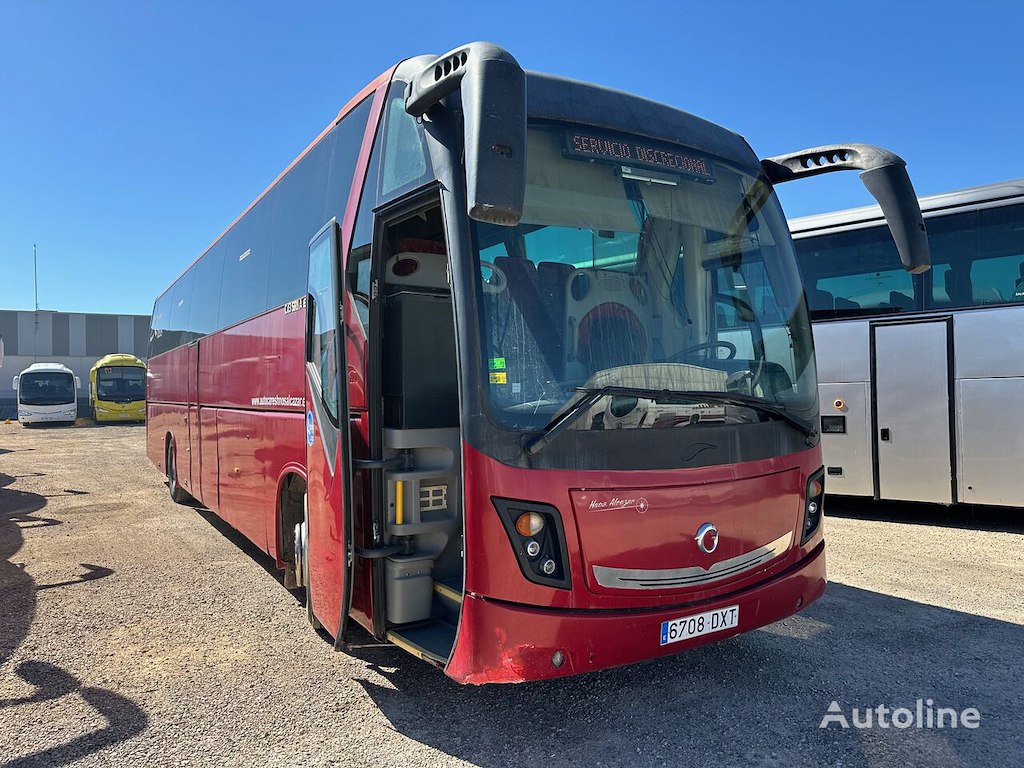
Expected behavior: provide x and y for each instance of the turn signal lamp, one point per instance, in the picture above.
(813, 501)
(529, 524)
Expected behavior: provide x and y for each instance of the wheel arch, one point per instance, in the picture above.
(291, 486)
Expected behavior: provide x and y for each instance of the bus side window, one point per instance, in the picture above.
(359, 285)
(325, 324)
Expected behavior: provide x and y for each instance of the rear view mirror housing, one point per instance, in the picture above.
(884, 175)
(493, 91)
(14, 383)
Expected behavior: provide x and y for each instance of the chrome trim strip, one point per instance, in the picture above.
(629, 578)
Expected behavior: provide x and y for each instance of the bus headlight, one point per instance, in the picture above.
(535, 532)
(814, 500)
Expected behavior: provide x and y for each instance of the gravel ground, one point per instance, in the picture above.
(136, 631)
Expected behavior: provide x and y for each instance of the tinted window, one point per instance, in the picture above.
(977, 258)
(323, 345)
(405, 167)
(299, 213)
(315, 189)
(405, 163)
(46, 388)
(260, 263)
(247, 245)
(855, 272)
(158, 325)
(405, 155)
(206, 291)
(121, 384)
(181, 307)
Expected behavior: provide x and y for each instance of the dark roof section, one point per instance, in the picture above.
(559, 98)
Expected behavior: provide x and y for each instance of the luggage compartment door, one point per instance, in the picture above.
(913, 423)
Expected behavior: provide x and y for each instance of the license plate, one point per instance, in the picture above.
(699, 624)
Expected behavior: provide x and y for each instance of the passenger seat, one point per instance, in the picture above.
(818, 299)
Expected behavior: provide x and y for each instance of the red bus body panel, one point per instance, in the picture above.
(247, 428)
(510, 627)
(507, 643)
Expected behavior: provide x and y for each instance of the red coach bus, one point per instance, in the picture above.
(514, 371)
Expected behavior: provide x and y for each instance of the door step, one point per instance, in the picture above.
(431, 642)
(449, 592)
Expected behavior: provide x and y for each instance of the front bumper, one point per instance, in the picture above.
(500, 642)
(43, 418)
(103, 414)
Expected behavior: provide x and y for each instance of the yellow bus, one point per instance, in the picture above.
(117, 388)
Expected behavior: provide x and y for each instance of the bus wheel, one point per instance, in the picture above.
(302, 572)
(178, 494)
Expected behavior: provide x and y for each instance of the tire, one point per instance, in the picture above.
(302, 571)
(178, 494)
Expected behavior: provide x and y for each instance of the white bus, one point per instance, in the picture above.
(921, 377)
(47, 393)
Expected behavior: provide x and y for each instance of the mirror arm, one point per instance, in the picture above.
(885, 176)
(493, 90)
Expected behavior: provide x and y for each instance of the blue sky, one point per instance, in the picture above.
(132, 133)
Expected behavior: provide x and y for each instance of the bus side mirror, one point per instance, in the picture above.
(14, 384)
(884, 175)
(78, 383)
(493, 87)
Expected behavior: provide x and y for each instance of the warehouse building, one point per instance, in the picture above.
(75, 339)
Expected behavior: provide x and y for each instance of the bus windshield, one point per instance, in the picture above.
(46, 388)
(121, 384)
(673, 276)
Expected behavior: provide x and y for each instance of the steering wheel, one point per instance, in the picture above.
(728, 346)
(496, 282)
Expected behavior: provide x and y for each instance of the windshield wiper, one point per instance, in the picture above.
(757, 404)
(561, 423)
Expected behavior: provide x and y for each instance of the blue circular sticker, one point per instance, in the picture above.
(309, 427)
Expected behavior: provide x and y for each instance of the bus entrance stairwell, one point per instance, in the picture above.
(415, 434)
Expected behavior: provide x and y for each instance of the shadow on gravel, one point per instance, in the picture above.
(124, 717)
(757, 699)
(967, 516)
(92, 572)
(17, 588)
(18, 605)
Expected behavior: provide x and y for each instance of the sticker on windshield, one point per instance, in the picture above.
(498, 364)
(499, 378)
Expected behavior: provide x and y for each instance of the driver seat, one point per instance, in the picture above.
(610, 335)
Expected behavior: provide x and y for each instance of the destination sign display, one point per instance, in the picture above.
(590, 145)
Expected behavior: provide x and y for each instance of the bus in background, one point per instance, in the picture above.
(921, 376)
(459, 371)
(117, 388)
(47, 394)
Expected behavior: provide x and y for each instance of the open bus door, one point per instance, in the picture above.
(323, 540)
